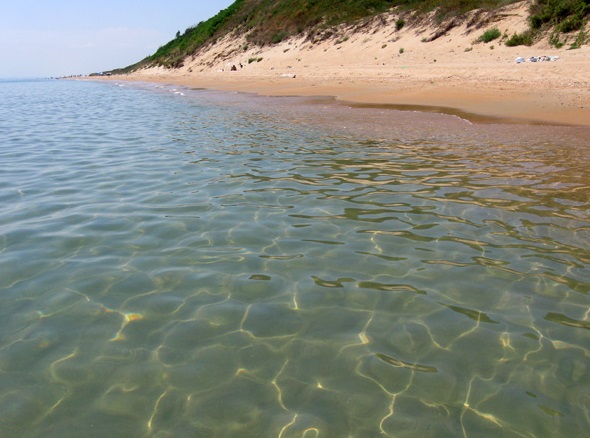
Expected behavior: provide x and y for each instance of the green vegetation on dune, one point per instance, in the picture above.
(490, 35)
(271, 21)
(559, 17)
(173, 53)
(564, 15)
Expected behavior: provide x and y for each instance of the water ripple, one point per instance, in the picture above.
(224, 265)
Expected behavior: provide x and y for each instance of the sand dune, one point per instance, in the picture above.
(381, 65)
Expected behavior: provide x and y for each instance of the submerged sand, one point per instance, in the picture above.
(378, 64)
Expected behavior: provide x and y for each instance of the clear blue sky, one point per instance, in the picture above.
(42, 38)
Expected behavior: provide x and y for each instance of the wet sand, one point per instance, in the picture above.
(495, 101)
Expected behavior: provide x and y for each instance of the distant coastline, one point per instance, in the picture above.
(375, 65)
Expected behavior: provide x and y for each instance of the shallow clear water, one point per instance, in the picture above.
(189, 263)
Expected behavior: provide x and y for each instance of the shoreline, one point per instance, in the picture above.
(497, 102)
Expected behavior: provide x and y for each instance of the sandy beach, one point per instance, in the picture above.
(381, 65)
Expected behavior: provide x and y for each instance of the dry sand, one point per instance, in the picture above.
(381, 65)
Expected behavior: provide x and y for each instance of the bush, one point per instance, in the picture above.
(490, 35)
(278, 37)
(565, 15)
(520, 39)
(570, 24)
(535, 21)
(399, 23)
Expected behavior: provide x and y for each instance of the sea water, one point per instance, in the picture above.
(190, 263)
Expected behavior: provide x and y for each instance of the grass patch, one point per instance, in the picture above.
(520, 39)
(555, 41)
(580, 40)
(490, 35)
(278, 37)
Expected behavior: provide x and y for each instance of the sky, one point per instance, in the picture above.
(53, 38)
